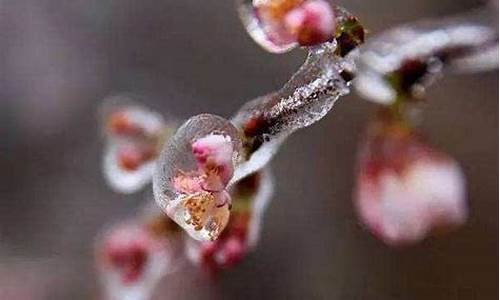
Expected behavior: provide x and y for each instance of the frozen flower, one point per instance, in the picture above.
(405, 189)
(311, 23)
(280, 25)
(194, 170)
(214, 155)
(131, 260)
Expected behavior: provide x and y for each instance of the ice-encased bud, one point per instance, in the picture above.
(406, 190)
(263, 21)
(402, 62)
(250, 196)
(214, 155)
(193, 171)
(311, 23)
(280, 25)
(131, 261)
(133, 136)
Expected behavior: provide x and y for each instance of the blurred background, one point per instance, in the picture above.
(59, 59)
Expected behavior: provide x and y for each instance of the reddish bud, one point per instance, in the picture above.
(311, 23)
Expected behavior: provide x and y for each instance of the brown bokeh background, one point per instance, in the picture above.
(58, 59)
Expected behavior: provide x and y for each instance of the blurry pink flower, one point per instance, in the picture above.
(131, 260)
(134, 135)
(405, 189)
(119, 123)
(131, 157)
(311, 23)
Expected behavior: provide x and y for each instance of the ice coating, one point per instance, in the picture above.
(274, 39)
(190, 191)
(405, 60)
(305, 99)
(131, 261)
(279, 26)
(251, 196)
(133, 135)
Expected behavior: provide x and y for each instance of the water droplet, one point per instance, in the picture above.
(184, 189)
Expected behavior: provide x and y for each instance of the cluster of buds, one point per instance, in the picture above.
(134, 135)
(405, 189)
(133, 256)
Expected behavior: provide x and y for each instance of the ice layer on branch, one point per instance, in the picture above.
(403, 61)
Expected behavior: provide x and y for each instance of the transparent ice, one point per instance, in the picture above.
(464, 44)
(305, 99)
(176, 160)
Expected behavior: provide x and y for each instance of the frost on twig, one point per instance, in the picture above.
(403, 61)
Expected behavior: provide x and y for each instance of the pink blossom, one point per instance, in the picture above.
(311, 23)
(214, 156)
(286, 22)
(407, 190)
(131, 260)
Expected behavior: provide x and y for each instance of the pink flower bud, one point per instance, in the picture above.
(282, 24)
(214, 156)
(311, 23)
(407, 190)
